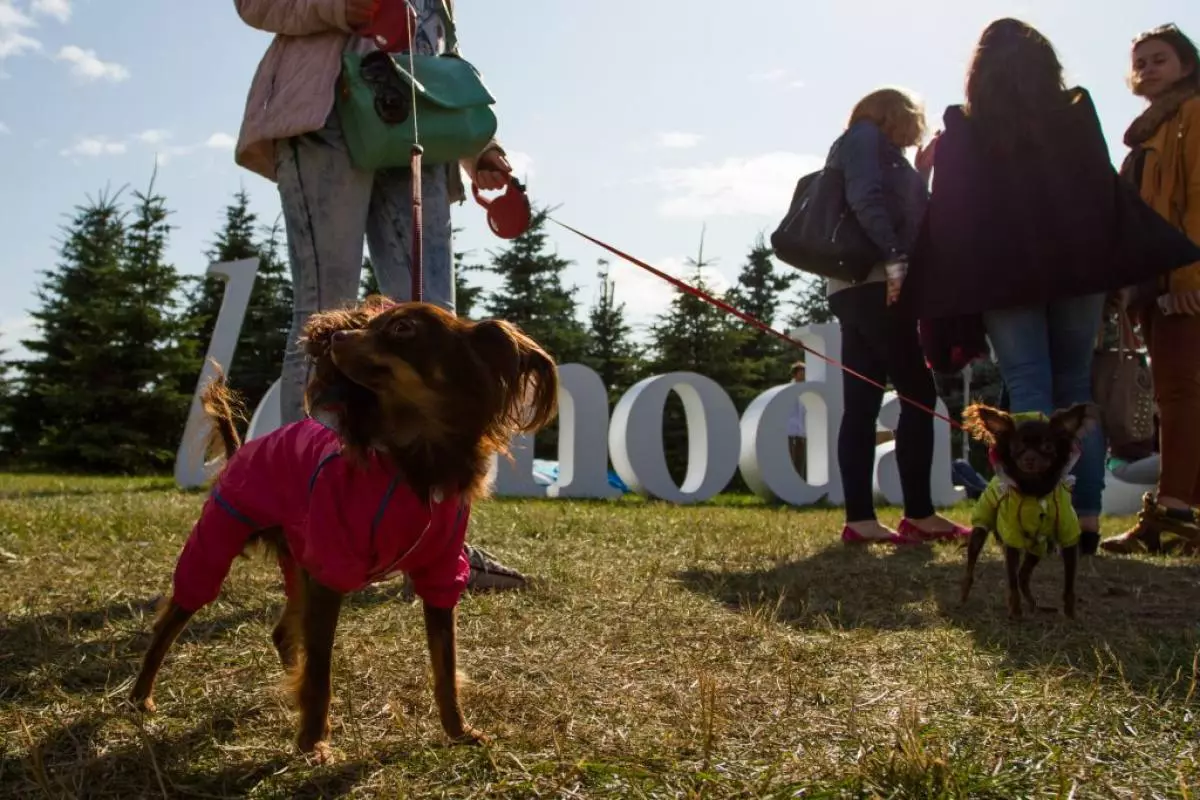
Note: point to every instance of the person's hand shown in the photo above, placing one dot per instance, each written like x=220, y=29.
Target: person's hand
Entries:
x=359, y=13
x=925, y=156
x=897, y=270
x=1187, y=303
x=492, y=171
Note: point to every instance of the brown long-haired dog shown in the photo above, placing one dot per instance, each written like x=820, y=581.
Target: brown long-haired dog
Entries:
x=408, y=404
x=1027, y=505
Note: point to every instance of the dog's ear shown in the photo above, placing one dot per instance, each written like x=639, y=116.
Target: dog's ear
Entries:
x=526, y=376
x=986, y=424
x=1075, y=421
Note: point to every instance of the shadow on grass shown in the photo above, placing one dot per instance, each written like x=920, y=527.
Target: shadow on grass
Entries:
x=1134, y=616
x=79, y=759
x=87, y=651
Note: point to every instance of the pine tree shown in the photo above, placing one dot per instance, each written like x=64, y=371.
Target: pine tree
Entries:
x=696, y=336
x=234, y=242
x=532, y=294
x=611, y=351
x=101, y=390
x=466, y=296
x=533, y=297
x=367, y=284
x=163, y=357
x=758, y=293
x=7, y=392
x=811, y=306
x=258, y=360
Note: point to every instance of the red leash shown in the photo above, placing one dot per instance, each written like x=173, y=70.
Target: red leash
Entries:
x=762, y=326
x=418, y=228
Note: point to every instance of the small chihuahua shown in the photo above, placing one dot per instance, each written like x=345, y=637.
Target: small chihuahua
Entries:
x=407, y=405
x=1027, y=505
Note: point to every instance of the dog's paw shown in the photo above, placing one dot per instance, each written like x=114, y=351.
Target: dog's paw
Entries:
x=1069, y=606
x=471, y=737
x=318, y=751
x=145, y=705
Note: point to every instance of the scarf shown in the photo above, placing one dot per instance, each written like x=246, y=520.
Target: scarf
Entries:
x=1158, y=112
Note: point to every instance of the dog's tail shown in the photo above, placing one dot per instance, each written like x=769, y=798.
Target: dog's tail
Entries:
x=224, y=408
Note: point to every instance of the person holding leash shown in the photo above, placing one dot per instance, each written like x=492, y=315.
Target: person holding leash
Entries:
x=291, y=134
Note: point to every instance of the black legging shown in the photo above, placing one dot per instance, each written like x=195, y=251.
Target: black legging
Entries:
x=882, y=344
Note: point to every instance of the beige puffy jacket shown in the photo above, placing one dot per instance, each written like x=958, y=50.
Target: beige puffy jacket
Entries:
x=293, y=88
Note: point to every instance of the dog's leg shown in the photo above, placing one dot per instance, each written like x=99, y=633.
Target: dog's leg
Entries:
x=974, y=547
x=1012, y=564
x=1027, y=568
x=167, y=627
x=319, y=618
x=1070, y=557
x=440, y=633
x=287, y=629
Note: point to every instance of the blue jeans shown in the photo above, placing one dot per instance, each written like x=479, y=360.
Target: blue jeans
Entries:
x=328, y=208
x=1045, y=358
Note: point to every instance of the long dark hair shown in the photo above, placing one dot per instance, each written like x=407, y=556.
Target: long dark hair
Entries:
x=1015, y=76
x=1185, y=50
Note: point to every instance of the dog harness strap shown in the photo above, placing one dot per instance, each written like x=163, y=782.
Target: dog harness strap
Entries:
x=233, y=512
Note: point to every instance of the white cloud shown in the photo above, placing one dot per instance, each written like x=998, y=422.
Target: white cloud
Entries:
x=679, y=140
x=522, y=164
x=12, y=41
x=646, y=295
x=778, y=76
x=59, y=9
x=740, y=186
x=86, y=66
x=769, y=76
x=152, y=136
x=93, y=146
x=221, y=141
x=4, y=128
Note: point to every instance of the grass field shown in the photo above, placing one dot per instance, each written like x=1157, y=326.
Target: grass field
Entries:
x=722, y=651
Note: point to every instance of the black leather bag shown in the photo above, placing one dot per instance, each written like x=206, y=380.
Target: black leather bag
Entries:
x=821, y=233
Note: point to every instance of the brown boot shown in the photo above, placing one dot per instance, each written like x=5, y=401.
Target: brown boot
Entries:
x=1153, y=521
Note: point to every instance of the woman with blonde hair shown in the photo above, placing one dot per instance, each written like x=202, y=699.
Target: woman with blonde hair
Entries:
x=887, y=196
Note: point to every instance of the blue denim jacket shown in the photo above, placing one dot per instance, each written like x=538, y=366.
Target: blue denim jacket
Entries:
x=884, y=190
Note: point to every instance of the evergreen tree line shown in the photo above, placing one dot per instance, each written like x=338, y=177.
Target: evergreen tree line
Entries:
x=107, y=386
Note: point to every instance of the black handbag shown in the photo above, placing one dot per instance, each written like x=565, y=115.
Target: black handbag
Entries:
x=821, y=234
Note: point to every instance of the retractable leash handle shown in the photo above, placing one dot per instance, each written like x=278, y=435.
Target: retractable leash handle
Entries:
x=508, y=215
x=392, y=26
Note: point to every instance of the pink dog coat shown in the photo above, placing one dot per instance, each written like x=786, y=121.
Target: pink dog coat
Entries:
x=347, y=525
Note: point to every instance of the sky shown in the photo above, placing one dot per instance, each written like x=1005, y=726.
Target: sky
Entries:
x=643, y=127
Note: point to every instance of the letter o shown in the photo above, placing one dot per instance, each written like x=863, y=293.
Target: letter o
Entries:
x=714, y=438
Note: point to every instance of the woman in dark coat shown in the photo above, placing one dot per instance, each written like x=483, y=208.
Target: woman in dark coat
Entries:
x=1029, y=227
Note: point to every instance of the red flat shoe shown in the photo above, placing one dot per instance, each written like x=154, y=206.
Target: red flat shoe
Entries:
x=911, y=530
x=850, y=536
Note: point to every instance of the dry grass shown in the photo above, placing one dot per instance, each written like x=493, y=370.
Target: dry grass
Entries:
x=668, y=652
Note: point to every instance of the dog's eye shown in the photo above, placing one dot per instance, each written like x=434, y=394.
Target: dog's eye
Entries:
x=403, y=329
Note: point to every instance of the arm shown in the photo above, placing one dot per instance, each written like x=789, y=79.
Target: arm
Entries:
x=294, y=17
x=1187, y=279
x=470, y=163
x=863, y=167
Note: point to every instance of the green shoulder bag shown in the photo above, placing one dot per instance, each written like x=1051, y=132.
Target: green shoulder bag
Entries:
x=452, y=115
